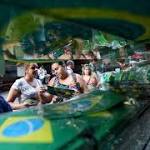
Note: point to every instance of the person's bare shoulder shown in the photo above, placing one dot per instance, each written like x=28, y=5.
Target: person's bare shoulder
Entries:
x=78, y=76
x=51, y=82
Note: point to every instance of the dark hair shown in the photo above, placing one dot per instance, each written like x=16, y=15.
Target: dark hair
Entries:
x=61, y=63
x=69, y=62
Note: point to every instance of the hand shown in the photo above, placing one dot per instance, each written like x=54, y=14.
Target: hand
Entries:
x=42, y=89
x=54, y=99
x=30, y=103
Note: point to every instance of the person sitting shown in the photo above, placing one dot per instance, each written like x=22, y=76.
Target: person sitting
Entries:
x=70, y=66
x=28, y=90
x=42, y=74
x=121, y=63
x=89, y=77
x=4, y=106
x=89, y=55
x=96, y=52
x=67, y=53
x=63, y=79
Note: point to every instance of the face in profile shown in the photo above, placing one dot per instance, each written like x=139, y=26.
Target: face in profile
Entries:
x=57, y=69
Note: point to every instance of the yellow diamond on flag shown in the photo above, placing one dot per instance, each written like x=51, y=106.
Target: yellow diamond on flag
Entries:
x=26, y=130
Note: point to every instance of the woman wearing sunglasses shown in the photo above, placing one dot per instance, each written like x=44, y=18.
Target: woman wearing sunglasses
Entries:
x=28, y=90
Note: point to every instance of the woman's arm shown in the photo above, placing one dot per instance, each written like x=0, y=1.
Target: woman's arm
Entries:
x=82, y=83
x=12, y=95
x=44, y=96
x=95, y=81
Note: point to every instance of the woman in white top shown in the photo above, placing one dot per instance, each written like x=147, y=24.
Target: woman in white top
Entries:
x=28, y=89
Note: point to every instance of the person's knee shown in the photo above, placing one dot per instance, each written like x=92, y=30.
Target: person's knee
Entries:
x=4, y=106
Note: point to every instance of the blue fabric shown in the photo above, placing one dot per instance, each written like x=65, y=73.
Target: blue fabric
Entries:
x=4, y=106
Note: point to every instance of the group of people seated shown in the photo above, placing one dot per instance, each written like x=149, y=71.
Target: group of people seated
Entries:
x=30, y=91
x=79, y=54
x=66, y=52
x=33, y=87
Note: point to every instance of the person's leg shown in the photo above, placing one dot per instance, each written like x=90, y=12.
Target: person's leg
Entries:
x=4, y=106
